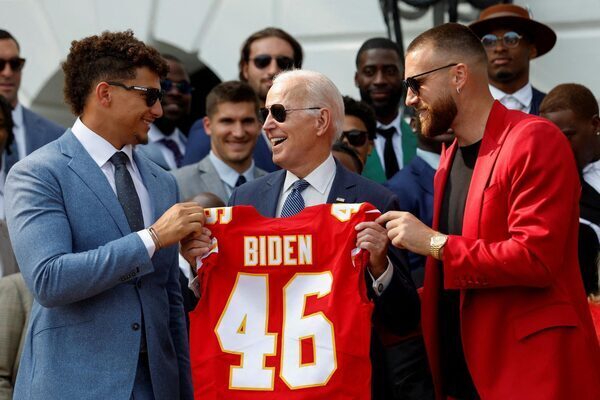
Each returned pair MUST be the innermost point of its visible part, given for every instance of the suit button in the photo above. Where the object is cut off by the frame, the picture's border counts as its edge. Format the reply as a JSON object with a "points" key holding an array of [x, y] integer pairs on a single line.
{"points": [[380, 288], [135, 326], [138, 284]]}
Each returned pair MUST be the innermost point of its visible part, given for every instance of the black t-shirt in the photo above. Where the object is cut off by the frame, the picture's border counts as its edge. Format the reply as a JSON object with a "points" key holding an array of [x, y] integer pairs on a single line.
{"points": [[456, 376]]}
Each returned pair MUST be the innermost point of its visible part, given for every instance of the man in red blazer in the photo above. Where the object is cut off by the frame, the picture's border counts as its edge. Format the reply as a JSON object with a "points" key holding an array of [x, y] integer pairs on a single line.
{"points": [[504, 313]]}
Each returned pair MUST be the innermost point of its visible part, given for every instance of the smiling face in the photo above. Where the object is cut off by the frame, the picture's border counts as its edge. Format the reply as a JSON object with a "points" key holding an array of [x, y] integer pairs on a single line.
{"points": [[176, 105], [233, 131], [299, 145], [379, 79], [10, 80], [261, 79], [129, 115], [434, 106]]}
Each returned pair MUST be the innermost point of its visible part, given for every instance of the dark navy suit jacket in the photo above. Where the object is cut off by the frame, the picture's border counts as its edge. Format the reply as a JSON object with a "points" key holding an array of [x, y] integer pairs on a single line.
{"points": [[198, 146], [536, 101], [414, 187]]}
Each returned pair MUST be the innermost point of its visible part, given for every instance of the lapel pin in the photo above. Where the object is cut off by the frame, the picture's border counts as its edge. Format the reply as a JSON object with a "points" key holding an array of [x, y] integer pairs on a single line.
{"points": [[340, 200]]}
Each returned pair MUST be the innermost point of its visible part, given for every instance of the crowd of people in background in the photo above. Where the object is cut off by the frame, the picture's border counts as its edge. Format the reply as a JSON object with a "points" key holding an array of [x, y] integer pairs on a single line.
{"points": [[479, 268]]}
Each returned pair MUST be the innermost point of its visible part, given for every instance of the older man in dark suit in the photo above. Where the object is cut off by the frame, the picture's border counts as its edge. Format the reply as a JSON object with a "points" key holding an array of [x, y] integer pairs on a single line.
{"points": [[303, 116]]}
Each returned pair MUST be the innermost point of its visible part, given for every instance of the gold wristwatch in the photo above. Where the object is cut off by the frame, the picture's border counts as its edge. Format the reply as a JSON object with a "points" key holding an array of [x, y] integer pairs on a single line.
{"points": [[436, 243]]}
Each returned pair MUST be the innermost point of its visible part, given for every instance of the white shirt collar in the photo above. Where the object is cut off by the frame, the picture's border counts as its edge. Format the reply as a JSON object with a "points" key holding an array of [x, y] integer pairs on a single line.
{"points": [[19, 131], [320, 178], [591, 174], [98, 148], [524, 95], [228, 174], [432, 159]]}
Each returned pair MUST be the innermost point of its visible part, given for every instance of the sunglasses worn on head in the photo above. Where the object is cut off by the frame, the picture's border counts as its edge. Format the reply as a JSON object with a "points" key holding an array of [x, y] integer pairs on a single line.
{"points": [[264, 60], [15, 63], [509, 39], [151, 94], [279, 112], [183, 87], [356, 137], [413, 84]]}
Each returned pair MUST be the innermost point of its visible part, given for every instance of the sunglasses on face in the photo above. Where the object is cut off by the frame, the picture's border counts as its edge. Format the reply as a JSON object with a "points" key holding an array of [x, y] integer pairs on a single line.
{"points": [[509, 39], [279, 112], [264, 60], [151, 94], [183, 87], [356, 137], [15, 63], [413, 84]]}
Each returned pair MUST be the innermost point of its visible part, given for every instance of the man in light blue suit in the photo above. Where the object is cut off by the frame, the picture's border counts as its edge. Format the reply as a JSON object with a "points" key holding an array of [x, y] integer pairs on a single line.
{"points": [[31, 130], [95, 230]]}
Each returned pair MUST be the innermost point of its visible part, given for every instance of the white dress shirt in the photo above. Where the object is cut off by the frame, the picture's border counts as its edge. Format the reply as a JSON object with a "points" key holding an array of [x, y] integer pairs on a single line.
{"points": [[101, 151], [591, 174], [155, 134], [519, 100], [396, 142], [228, 175], [320, 182], [19, 131]]}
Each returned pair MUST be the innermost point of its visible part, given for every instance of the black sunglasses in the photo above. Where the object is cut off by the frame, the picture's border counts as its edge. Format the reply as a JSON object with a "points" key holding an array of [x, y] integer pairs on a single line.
{"points": [[183, 87], [356, 137], [264, 60], [413, 84], [16, 63], [509, 39], [279, 112], [151, 94]]}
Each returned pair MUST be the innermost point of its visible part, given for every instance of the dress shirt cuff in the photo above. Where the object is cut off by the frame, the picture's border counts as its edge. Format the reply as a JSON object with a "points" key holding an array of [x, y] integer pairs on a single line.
{"points": [[381, 283], [148, 242]]}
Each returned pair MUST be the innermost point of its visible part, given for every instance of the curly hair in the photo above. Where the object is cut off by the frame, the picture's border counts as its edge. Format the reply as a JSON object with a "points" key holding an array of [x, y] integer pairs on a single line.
{"points": [[362, 111], [109, 56]]}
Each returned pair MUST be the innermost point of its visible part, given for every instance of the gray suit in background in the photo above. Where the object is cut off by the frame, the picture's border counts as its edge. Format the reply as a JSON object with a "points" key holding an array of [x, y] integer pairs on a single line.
{"points": [[203, 177], [8, 263]]}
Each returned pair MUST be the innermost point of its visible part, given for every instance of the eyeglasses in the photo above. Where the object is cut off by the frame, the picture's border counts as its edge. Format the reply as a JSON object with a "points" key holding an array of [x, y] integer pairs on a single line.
{"points": [[413, 84], [279, 112], [262, 61], [151, 94], [183, 87], [356, 137], [509, 39], [15, 63]]}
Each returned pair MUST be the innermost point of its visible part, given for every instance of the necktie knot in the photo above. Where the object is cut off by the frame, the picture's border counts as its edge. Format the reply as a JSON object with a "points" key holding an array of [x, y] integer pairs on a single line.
{"points": [[512, 103], [294, 202], [387, 132], [119, 158], [300, 185], [240, 180]]}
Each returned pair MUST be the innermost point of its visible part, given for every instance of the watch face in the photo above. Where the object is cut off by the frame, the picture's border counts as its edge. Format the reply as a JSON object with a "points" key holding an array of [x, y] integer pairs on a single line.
{"points": [[438, 240]]}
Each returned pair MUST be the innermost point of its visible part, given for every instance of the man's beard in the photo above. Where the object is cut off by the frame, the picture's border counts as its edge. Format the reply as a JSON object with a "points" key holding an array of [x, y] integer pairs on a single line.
{"points": [[439, 117], [382, 109]]}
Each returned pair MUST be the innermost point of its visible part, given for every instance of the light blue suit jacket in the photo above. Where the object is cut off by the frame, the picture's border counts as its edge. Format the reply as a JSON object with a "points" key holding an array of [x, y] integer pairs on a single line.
{"points": [[92, 280]]}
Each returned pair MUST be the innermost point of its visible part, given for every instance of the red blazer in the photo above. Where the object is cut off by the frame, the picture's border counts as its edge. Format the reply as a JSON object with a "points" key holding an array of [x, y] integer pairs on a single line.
{"points": [[526, 327]]}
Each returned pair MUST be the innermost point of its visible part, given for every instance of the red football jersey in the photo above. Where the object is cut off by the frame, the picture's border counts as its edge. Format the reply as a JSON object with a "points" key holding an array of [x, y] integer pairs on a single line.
{"points": [[284, 312]]}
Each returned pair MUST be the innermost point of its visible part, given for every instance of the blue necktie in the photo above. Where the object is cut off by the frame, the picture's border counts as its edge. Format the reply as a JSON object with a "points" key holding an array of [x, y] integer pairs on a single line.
{"points": [[126, 192], [173, 148], [294, 202], [240, 180]]}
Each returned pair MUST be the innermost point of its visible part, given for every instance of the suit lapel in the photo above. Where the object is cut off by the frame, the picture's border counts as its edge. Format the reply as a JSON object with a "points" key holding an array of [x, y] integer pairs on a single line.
{"points": [[211, 178], [270, 194], [84, 166], [409, 143], [152, 184], [343, 189], [493, 137]]}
